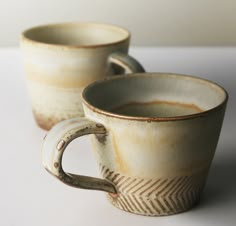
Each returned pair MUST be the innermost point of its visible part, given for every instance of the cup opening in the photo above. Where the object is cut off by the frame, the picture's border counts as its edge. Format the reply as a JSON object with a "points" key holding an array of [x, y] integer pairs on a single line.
{"points": [[76, 34], [154, 96]]}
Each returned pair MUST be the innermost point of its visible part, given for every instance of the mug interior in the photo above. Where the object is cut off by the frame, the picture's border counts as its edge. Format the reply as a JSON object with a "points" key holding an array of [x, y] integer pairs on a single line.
{"points": [[77, 34], [187, 96]]}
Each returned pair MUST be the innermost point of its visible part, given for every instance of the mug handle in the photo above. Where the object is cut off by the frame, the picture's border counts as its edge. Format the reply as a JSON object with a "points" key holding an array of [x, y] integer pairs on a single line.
{"points": [[127, 62], [55, 144]]}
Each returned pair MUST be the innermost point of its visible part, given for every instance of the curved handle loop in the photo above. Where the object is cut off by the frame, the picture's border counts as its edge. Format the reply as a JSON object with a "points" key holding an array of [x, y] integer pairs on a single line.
{"points": [[55, 144], [127, 62]]}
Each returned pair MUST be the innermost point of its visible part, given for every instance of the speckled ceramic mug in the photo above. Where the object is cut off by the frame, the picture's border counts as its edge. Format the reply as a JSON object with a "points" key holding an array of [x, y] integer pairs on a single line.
{"points": [[154, 136], [61, 59]]}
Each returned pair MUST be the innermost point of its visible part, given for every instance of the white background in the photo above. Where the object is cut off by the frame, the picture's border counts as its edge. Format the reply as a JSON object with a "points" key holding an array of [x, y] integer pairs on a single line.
{"points": [[152, 22]]}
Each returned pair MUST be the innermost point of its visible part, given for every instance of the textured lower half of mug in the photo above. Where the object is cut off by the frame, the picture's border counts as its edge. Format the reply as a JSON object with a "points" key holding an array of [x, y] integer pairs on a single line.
{"points": [[155, 197], [51, 105]]}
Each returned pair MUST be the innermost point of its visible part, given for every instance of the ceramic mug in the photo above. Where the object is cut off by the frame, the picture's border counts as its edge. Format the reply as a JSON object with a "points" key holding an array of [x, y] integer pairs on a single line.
{"points": [[61, 59], [154, 136]]}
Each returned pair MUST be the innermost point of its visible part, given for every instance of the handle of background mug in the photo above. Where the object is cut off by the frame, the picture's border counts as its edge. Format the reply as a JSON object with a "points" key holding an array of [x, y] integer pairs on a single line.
{"points": [[127, 62], [55, 144]]}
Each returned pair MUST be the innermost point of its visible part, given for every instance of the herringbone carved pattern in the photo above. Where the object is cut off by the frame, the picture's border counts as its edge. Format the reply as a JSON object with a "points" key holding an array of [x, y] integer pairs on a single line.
{"points": [[153, 197]]}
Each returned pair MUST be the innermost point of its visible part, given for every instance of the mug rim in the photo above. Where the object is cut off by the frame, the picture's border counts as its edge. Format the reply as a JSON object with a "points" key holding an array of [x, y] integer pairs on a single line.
{"points": [[24, 38], [158, 119]]}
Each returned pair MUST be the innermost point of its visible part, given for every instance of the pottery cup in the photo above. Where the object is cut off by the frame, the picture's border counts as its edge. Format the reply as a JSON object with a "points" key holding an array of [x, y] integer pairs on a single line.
{"points": [[61, 59], [154, 136]]}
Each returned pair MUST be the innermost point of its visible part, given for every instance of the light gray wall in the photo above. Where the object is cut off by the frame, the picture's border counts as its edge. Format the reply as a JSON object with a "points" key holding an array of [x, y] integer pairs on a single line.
{"points": [[152, 22]]}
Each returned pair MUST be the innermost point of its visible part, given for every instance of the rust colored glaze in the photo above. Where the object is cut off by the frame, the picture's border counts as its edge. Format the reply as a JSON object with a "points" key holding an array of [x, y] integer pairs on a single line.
{"points": [[56, 164], [119, 160], [66, 77], [44, 122], [158, 102], [113, 195]]}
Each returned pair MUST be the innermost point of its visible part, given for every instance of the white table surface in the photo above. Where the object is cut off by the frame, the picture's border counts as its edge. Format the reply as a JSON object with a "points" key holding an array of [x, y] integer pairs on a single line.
{"points": [[29, 196]]}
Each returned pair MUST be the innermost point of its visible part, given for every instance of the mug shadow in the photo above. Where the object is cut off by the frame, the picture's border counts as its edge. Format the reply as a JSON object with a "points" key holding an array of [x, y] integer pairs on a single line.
{"points": [[221, 183]]}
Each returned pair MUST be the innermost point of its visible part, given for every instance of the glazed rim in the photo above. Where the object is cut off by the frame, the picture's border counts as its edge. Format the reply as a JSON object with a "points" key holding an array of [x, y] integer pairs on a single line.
{"points": [[25, 34], [139, 118]]}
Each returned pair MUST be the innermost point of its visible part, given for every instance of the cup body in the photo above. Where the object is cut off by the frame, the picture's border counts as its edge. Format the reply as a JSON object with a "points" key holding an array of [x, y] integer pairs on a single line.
{"points": [[158, 165], [57, 68], [150, 165]]}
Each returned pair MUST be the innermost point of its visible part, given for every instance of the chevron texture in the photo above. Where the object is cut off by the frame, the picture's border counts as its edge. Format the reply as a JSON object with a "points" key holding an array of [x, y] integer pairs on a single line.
{"points": [[155, 197]]}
